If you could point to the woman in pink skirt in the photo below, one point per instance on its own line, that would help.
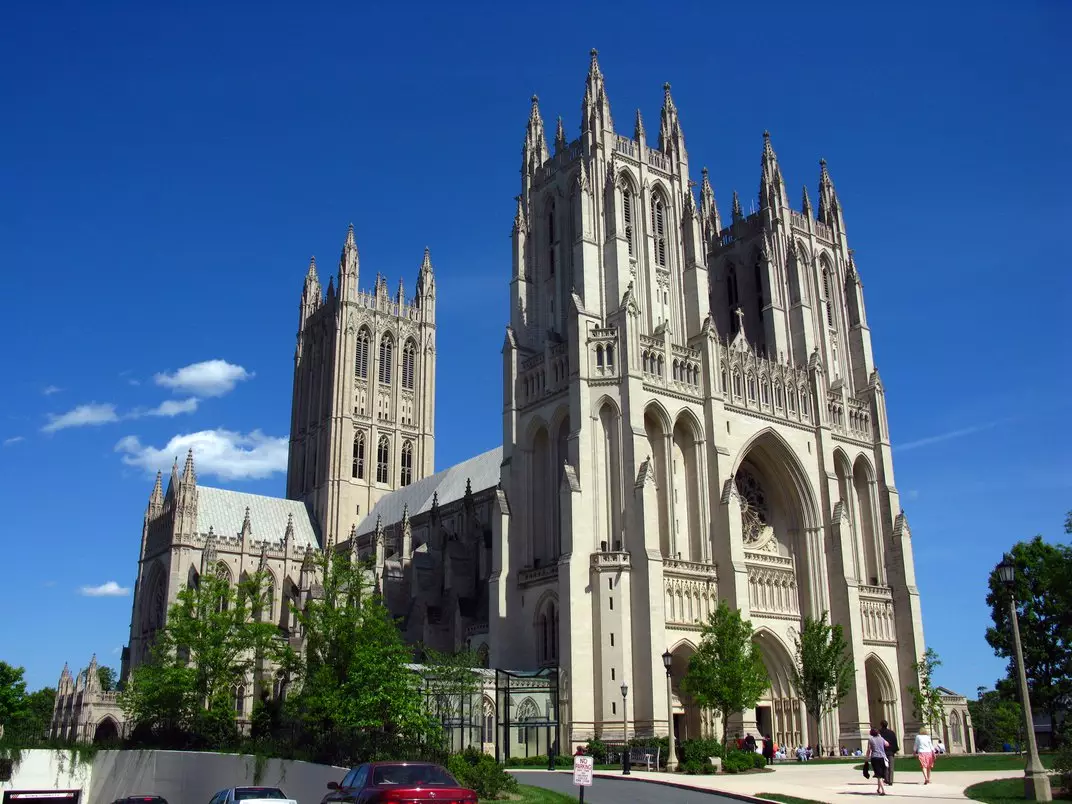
(924, 751)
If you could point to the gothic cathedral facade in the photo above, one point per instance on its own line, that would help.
(692, 413)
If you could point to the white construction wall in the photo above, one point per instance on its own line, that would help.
(46, 769)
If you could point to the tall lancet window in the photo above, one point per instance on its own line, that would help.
(407, 464)
(383, 459)
(551, 237)
(731, 295)
(361, 360)
(387, 350)
(409, 360)
(627, 218)
(658, 229)
(828, 298)
(358, 470)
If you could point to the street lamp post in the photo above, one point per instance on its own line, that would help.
(671, 756)
(625, 733)
(1036, 779)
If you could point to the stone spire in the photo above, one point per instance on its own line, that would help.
(805, 203)
(312, 296)
(560, 137)
(288, 534)
(188, 474)
(349, 266)
(425, 279)
(771, 186)
(638, 128)
(520, 224)
(712, 223)
(534, 152)
(737, 214)
(595, 110)
(671, 137)
(247, 530)
(829, 206)
(401, 291)
(156, 499)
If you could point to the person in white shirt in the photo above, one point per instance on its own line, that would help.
(924, 751)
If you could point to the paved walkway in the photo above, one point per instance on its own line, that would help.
(827, 783)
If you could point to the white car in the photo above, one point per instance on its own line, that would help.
(252, 795)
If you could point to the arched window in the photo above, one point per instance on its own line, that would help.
(361, 360)
(954, 727)
(240, 700)
(599, 356)
(407, 464)
(383, 458)
(731, 296)
(804, 401)
(658, 229)
(551, 239)
(409, 361)
(627, 216)
(778, 396)
(358, 470)
(268, 609)
(827, 297)
(610, 355)
(737, 384)
(751, 388)
(547, 634)
(387, 350)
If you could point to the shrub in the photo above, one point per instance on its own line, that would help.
(700, 750)
(480, 772)
(597, 749)
(739, 761)
(1062, 764)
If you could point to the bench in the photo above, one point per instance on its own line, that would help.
(647, 757)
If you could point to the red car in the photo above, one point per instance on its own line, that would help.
(399, 783)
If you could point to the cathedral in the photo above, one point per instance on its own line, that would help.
(691, 413)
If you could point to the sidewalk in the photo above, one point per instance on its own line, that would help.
(828, 783)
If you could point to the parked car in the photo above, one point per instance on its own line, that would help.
(250, 795)
(376, 782)
(148, 799)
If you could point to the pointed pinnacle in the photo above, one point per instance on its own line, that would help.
(736, 205)
(426, 263)
(350, 236)
(638, 128)
(668, 102)
(560, 136)
(312, 267)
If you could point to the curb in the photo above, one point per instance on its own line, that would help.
(678, 785)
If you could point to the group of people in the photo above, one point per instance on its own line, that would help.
(882, 748)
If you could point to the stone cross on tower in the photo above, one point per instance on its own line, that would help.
(740, 319)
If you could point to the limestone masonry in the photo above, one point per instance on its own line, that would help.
(691, 412)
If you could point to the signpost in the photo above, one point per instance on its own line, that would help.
(582, 772)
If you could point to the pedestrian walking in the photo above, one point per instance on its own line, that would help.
(891, 752)
(924, 751)
(876, 755)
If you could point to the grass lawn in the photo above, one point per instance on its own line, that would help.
(1002, 790)
(787, 799)
(537, 795)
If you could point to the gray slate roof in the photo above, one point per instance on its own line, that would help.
(482, 472)
(224, 510)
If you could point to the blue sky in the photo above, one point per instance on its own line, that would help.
(169, 170)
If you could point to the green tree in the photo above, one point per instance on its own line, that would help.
(451, 687)
(107, 677)
(823, 673)
(926, 699)
(212, 641)
(995, 720)
(726, 673)
(354, 684)
(12, 692)
(1043, 592)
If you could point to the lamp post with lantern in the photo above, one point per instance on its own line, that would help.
(1036, 778)
(671, 755)
(625, 732)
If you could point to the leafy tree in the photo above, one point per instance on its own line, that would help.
(354, 683)
(107, 677)
(449, 684)
(823, 673)
(925, 696)
(726, 673)
(1043, 592)
(212, 641)
(995, 720)
(12, 692)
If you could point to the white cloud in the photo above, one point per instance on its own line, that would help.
(208, 378)
(13, 440)
(49, 390)
(168, 408)
(223, 453)
(951, 434)
(109, 589)
(82, 416)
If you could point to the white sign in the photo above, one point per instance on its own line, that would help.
(582, 770)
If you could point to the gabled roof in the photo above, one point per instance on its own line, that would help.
(481, 472)
(224, 511)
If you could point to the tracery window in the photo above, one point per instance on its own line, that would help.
(658, 229)
(829, 299)
(387, 350)
(627, 215)
(240, 699)
(754, 511)
(383, 457)
(362, 357)
(358, 470)
(731, 296)
(407, 464)
(409, 360)
(551, 239)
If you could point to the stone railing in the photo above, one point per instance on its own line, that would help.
(740, 230)
(543, 374)
(753, 382)
(611, 560)
(690, 591)
(876, 615)
(799, 221)
(772, 585)
(658, 160)
(858, 420)
(537, 575)
(624, 145)
(476, 629)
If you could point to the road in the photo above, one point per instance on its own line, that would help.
(615, 791)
